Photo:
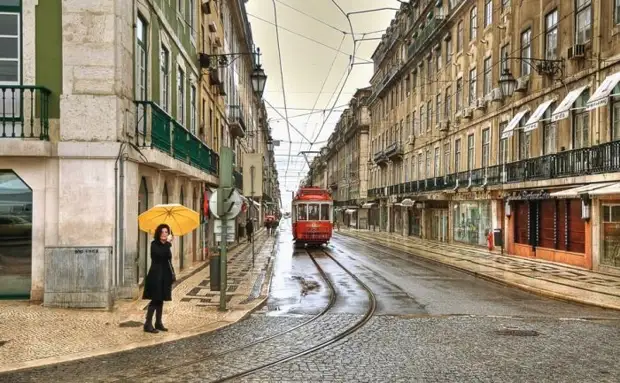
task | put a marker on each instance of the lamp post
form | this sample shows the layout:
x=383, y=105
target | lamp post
x=259, y=78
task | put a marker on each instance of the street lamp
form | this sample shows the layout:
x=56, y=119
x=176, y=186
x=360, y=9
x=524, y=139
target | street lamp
x=507, y=83
x=259, y=78
x=270, y=144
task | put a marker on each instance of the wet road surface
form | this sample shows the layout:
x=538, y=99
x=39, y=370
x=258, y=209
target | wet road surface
x=432, y=324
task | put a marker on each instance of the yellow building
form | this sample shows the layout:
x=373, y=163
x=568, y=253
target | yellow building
x=485, y=111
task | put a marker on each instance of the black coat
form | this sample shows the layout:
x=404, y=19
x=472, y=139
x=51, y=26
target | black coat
x=249, y=227
x=158, y=284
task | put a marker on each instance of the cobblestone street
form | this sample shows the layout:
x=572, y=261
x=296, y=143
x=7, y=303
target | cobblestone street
x=431, y=324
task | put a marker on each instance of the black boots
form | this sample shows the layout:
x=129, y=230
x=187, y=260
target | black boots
x=158, y=314
x=148, y=324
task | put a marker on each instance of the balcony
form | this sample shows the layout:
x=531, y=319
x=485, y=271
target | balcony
x=236, y=121
x=603, y=158
x=238, y=180
x=394, y=151
x=156, y=129
x=24, y=111
x=424, y=35
x=380, y=158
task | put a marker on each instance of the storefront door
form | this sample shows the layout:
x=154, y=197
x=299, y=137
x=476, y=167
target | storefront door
x=414, y=221
x=439, y=225
x=15, y=237
x=472, y=221
x=611, y=235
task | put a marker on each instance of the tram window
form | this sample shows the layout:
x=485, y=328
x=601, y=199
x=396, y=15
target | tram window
x=324, y=212
x=301, y=216
x=313, y=212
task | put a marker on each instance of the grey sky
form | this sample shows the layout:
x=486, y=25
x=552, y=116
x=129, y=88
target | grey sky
x=306, y=65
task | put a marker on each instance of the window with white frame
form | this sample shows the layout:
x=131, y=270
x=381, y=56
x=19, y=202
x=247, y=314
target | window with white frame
x=164, y=79
x=486, y=147
x=429, y=116
x=420, y=166
x=180, y=96
x=10, y=62
x=581, y=122
x=422, y=120
x=549, y=131
x=459, y=94
x=446, y=158
x=192, y=101
x=525, y=141
x=428, y=164
x=488, y=76
x=551, y=35
x=503, y=144
x=459, y=37
x=449, y=49
x=617, y=11
x=470, y=152
x=457, y=155
x=191, y=15
x=503, y=53
x=437, y=164
x=488, y=12
x=448, y=104
x=473, y=23
x=472, y=86
x=583, y=21
x=526, y=51
x=140, y=58
x=414, y=174
x=438, y=109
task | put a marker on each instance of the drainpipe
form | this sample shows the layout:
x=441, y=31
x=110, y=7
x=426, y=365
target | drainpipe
x=598, y=74
x=119, y=194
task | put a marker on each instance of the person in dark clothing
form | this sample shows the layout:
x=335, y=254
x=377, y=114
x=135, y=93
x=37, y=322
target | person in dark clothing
x=249, y=229
x=158, y=284
x=268, y=226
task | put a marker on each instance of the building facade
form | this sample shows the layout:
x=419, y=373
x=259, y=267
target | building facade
x=106, y=111
x=506, y=116
x=342, y=165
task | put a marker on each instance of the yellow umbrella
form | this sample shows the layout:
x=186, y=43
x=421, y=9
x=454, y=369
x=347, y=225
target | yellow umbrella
x=182, y=220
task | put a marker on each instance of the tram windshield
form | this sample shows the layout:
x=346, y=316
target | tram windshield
x=312, y=212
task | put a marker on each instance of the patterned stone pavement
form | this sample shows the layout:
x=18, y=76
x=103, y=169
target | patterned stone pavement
x=547, y=278
x=33, y=335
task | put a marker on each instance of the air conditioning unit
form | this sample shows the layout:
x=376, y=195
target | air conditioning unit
x=577, y=51
x=206, y=7
x=212, y=27
x=522, y=83
x=468, y=113
x=497, y=95
x=481, y=103
x=443, y=126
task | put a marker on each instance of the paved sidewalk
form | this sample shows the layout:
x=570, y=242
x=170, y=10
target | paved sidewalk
x=538, y=276
x=33, y=335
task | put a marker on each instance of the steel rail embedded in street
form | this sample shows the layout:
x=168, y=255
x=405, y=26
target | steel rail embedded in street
x=330, y=304
x=372, y=306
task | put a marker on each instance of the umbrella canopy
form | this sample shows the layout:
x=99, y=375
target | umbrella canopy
x=181, y=219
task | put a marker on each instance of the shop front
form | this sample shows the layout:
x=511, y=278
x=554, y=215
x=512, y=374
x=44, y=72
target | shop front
x=472, y=221
x=437, y=220
x=351, y=217
x=364, y=216
x=608, y=218
x=415, y=220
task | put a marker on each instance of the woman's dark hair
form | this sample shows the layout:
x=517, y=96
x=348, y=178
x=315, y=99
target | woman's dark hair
x=159, y=229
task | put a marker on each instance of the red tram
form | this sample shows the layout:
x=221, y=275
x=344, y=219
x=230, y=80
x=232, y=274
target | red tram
x=312, y=216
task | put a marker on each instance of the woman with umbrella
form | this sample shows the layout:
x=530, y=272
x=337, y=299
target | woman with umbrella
x=158, y=285
x=163, y=220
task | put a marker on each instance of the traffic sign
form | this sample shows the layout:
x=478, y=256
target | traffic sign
x=235, y=200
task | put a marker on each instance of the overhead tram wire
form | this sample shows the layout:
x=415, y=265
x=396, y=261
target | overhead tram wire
x=288, y=127
x=288, y=122
x=305, y=37
x=329, y=72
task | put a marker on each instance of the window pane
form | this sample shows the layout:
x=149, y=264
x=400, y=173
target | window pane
x=13, y=3
x=615, y=213
x=606, y=213
x=313, y=212
x=301, y=213
x=9, y=48
x=324, y=212
x=9, y=71
x=8, y=24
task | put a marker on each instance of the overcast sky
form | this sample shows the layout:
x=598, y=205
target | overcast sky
x=307, y=67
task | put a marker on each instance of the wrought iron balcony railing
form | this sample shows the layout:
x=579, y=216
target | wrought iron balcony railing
x=24, y=111
x=157, y=129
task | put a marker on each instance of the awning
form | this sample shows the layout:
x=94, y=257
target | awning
x=368, y=205
x=577, y=191
x=562, y=111
x=611, y=189
x=407, y=202
x=350, y=211
x=601, y=96
x=532, y=122
x=509, y=129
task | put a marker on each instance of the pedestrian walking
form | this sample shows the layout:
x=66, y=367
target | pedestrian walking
x=268, y=226
x=249, y=229
x=158, y=284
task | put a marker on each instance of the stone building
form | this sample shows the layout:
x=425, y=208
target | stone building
x=503, y=116
x=342, y=165
x=103, y=114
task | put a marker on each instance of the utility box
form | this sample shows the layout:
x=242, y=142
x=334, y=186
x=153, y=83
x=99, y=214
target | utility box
x=498, y=237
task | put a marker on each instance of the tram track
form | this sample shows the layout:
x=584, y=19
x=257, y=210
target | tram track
x=326, y=309
x=372, y=306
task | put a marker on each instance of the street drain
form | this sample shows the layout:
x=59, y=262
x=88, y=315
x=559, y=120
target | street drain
x=516, y=332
